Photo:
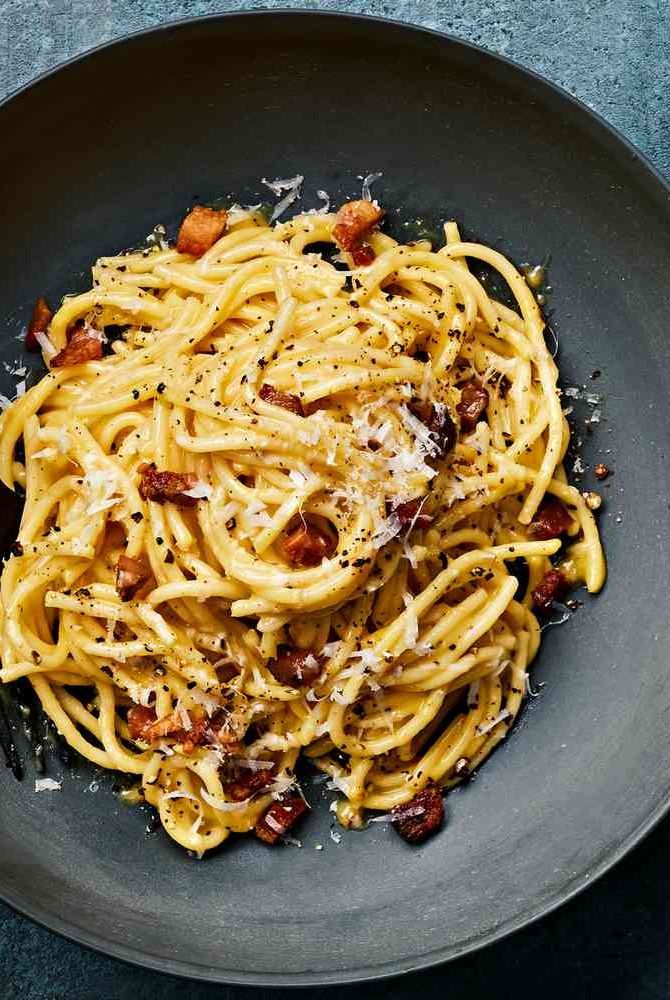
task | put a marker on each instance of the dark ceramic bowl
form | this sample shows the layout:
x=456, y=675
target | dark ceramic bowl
x=91, y=158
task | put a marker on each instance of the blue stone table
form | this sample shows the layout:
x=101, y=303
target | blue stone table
x=613, y=940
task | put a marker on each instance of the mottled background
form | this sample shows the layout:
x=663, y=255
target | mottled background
x=613, y=940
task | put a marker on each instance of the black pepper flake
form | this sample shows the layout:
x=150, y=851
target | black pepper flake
x=159, y=671
x=36, y=656
x=169, y=556
x=136, y=393
x=161, y=387
x=159, y=540
x=460, y=306
x=106, y=670
x=361, y=562
x=82, y=592
x=231, y=523
x=137, y=516
x=261, y=363
x=17, y=549
x=99, y=638
x=191, y=685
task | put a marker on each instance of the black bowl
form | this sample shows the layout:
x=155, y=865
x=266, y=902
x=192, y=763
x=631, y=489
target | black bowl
x=91, y=158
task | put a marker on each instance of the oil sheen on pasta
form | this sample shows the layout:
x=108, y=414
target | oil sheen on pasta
x=419, y=629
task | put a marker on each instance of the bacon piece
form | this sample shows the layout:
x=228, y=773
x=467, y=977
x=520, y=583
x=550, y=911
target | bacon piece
x=552, y=587
x=39, y=323
x=141, y=721
x=422, y=816
x=295, y=667
x=224, y=731
x=280, y=817
x=308, y=544
x=438, y=421
x=362, y=255
x=84, y=344
x=166, y=487
x=551, y=520
x=410, y=512
x=473, y=402
x=200, y=230
x=131, y=574
x=241, y=783
x=286, y=400
x=354, y=223
x=204, y=731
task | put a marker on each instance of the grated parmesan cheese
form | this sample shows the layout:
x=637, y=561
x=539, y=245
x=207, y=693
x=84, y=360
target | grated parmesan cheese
x=180, y=795
x=368, y=180
x=184, y=718
x=201, y=491
x=486, y=727
x=386, y=530
x=47, y=347
x=292, y=185
x=286, y=839
x=47, y=785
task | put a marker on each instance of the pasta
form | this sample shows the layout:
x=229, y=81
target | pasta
x=283, y=512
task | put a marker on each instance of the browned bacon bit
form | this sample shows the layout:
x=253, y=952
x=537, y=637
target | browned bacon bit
x=417, y=819
x=223, y=730
x=286, y=400
x=438, y=421
x=85, y=344
x=307, y=545
x=166, y=487
x=240, y=783
x=552, y=587
x=295, y=667
x=410, y=512
x=472, y=404
x=201, y=730
x=443, y=430
x=362, y=255
x=354, y=223
x=280, y=817
x=39, y=323
x=200, y=230
x=551, y=520
x=141, y=721
x=131, y=574
x=601, y=471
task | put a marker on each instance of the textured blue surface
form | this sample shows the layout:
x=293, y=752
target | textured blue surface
x=615, y=56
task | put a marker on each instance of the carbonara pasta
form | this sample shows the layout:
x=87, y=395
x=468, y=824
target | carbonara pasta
x=276, y=505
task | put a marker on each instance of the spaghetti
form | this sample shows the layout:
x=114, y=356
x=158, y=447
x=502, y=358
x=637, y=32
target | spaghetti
x=282, y=511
